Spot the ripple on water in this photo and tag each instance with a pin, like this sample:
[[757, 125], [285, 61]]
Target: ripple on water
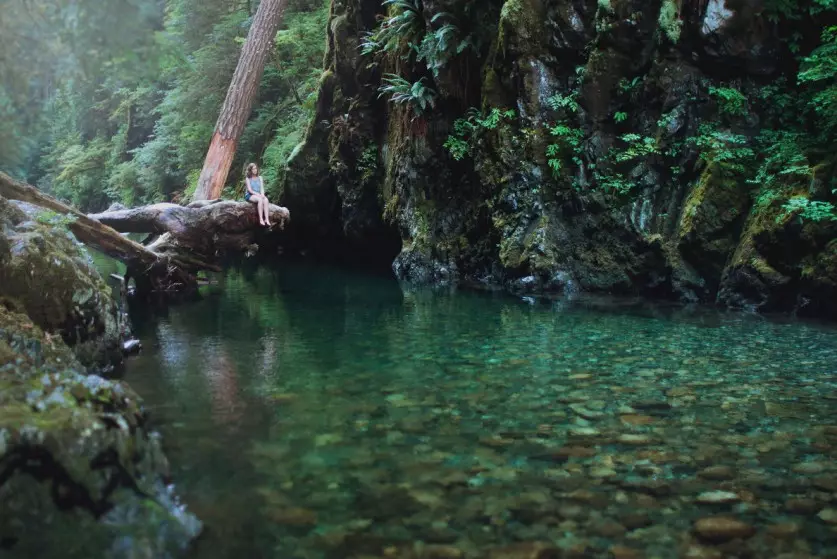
[[371, 422]]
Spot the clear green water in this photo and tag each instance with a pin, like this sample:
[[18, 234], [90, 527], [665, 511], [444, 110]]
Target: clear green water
[[314, 413]]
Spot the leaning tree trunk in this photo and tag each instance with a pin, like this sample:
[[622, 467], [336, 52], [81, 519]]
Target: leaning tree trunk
[[239, 101]]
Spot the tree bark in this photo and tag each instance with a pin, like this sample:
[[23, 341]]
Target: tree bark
[[190, 238], [239, 101], [164, 272]]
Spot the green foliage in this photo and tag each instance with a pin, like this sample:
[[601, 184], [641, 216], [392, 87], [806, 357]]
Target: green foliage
[[403, 27], [731, 152], [809, 210], [439, 46], [566, 145], [730, 101], [620, 116], [417, 96], [367, 164], [467, 131], [560, 102], [783, 160], [819, 70], [669, 22], [95, 114], [636, 147], [49, 217]]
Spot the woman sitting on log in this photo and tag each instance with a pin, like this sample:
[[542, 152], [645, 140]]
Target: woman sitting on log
[[255, 194]]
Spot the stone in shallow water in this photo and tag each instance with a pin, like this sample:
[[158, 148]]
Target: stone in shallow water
[[637, 420], [802, 506], [602, 473], [586, 413], [579, 431], [293, 517], [829, 516], [784, 530], [442, 552], [526, 550], [826, 483], [623, 552], [633, 439], [717, 498], [717, 473], [809, 468], [722, 529]]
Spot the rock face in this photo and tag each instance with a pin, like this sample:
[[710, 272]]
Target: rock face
[[596, 156], [44, 274], [77, 463]]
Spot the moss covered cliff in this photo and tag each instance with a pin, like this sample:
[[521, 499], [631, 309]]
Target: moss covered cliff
[[613, 146]]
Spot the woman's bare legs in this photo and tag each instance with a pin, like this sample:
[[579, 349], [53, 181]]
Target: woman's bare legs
[[257, 199], [266, 211]]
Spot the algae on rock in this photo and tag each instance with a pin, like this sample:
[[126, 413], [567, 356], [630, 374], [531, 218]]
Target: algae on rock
[[45, 274], [77, 461]]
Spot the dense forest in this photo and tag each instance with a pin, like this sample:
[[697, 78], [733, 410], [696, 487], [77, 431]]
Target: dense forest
[[117, 103]]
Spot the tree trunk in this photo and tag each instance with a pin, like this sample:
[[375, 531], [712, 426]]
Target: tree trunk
[[191, 238], [239, 101]]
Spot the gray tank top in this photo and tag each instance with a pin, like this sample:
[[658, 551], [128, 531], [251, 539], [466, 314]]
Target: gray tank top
[[256, 184]]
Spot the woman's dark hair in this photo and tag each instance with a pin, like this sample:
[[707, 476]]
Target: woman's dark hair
[[250, 168]]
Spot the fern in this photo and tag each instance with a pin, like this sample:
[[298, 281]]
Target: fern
[[416, 95], [466, 131]]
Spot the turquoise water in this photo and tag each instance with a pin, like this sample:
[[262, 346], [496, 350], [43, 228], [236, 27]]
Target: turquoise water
[[314, 413]]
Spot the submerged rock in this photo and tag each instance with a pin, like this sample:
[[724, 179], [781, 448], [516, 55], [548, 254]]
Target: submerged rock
[[78, 461]]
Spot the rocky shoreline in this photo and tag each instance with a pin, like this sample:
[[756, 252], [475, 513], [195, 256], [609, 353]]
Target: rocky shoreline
[[642, 195], [78, 460]]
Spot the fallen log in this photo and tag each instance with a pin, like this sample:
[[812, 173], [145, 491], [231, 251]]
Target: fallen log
[[185, 239], [152, 271], [208, 229]]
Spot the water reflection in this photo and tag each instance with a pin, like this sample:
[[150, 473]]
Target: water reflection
[[311, 413]]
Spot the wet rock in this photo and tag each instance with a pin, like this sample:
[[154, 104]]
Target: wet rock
[[657, 487], [717, 473], [586, 413], [827, 483], [635, 520], [583, 431], [784, 530], [69, 298], [809, 468], [83, 462], [652, 406], [717, 498], [637, 420], [722, 529], [608, 529], [802, 506], [635, 440], [294, 516], [624, 552], [131, 347], [442, 552], [829, 516], [527, 550]]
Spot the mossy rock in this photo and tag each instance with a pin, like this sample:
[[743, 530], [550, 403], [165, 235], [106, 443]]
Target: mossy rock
[[44, 271], [711, 220], [79, 464]]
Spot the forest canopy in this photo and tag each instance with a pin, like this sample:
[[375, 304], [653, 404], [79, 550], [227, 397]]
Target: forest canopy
[[116, 101]]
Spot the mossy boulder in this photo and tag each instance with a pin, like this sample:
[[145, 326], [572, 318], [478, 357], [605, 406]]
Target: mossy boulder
[[82, 476], [783, 263], [45, 274]]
